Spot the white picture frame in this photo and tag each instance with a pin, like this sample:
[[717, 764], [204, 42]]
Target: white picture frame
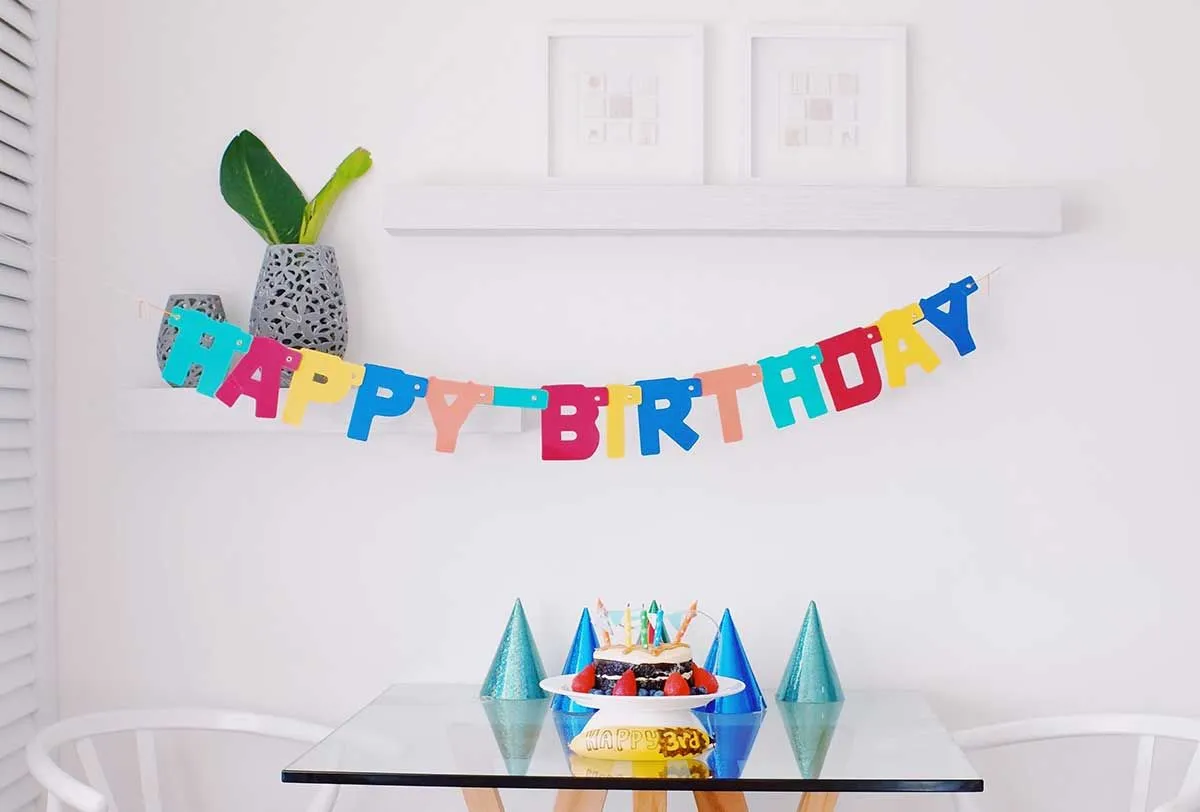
[[826, 105], [625, 103]]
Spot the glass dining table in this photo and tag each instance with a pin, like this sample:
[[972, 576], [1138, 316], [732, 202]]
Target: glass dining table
[[439, 735]]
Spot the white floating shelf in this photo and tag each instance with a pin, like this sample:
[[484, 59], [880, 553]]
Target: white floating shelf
[[162, 409], [722, 209]]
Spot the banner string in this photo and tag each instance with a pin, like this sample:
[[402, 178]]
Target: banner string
[[984, 281]]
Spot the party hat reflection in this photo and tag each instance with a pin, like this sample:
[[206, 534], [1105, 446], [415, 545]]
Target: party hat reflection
[[734, 734], [516, 725], [516, 669], [810, 675], [727, 658], [579, 657], [810, 727], [570, 725]]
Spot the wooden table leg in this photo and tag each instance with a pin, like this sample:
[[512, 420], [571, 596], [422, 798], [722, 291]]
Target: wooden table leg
[[721, 802], [818, 802], [645, 800], [482, 800], [580, 800]]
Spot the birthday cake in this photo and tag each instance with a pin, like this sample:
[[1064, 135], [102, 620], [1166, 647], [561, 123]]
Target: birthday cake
[[647, 663]]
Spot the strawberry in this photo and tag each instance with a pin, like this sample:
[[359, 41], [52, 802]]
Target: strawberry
[[585, 680], [676, 685], [704, 679], [626, 685]]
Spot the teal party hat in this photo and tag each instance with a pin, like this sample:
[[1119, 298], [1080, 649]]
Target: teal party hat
[[810, 675], [727, 658], [579, 657], [516, 669], [516, 725], [810, 727]]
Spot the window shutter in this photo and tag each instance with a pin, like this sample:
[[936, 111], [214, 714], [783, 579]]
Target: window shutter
[[26, 698]]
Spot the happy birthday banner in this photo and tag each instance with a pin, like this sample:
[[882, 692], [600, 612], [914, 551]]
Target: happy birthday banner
[[570, 412]]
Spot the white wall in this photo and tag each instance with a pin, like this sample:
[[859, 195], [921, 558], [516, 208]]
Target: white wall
[[1012, 535]]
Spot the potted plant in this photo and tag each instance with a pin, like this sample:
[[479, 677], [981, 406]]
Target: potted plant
[[299, 299]]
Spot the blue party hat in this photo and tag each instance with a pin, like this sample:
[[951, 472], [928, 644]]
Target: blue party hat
[[810, 675], [734, 734], [727, 658], [810, 727], [579, 657], [516, 669], [516, 724], [570, 725]]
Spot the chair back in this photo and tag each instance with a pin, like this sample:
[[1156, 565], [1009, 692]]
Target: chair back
[[1147, 729], [96, 795]]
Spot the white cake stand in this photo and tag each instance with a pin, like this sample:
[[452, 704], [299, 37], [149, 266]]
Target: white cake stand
[[641, 711]]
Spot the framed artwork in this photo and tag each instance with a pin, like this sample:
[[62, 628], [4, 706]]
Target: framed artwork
[[827, 105], [626, 103]]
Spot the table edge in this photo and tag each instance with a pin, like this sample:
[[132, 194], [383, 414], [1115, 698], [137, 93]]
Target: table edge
[[944, 785]]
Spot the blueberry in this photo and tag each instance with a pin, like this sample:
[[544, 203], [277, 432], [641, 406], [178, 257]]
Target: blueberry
[[702, 690], [695, 691], [659, 693], [643, 692], [594, 691]]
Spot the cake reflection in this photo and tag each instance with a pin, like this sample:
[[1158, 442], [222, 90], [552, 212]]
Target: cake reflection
[[583, 767]]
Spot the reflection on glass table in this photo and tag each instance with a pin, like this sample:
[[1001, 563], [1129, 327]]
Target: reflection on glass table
[[446, 736]]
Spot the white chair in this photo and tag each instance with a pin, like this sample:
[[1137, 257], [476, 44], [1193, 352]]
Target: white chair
[[62, 788], [1147, 729]]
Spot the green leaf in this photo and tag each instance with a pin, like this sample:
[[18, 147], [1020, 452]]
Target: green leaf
[[260, 190], [352, 168]]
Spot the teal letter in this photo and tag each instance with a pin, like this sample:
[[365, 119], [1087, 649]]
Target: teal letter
[[802, 362], [187, 351]]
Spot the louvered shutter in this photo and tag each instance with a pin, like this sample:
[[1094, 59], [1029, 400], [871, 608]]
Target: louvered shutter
[[23, 617]]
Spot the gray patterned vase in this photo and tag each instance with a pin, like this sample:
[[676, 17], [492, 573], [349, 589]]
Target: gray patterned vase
[[299, 300], [207, 303]]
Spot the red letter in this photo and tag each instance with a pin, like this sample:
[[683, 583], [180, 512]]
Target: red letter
[[856, 342], [585, 401], [269, 359]]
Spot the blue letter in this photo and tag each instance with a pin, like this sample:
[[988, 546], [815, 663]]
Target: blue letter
[[668, 420], [369, 404], [952, 321]]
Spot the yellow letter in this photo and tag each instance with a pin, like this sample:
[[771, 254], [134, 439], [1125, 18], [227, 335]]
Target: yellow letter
[[619, 396], [903, 345], [336, 379]]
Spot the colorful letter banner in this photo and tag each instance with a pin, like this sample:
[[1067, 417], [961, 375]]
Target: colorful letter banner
[[234, 364]]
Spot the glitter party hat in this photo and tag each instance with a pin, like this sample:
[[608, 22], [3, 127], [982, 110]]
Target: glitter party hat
[[810, 727], [810, 675], [727, 658], [579, 657], [516, 724], [516, 669]]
